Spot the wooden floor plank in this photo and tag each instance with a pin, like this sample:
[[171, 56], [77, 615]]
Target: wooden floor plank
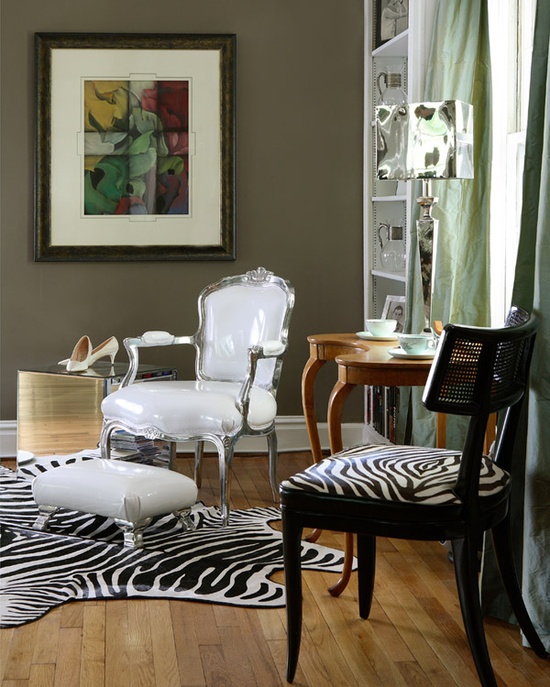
[[6, 636], [165, 659], [444, 636], [264, 670], [188, 619], [117, 665], [42, 675], [72, 615], [21, 651], [67, 670], [214, 667], [46, 644], [139, 647], [92, 670], [348, 630]]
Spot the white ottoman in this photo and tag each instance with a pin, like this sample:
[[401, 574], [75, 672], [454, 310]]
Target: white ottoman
[[132, 494]]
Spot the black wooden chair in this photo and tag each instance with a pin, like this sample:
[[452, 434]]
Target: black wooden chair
[[419, 493]]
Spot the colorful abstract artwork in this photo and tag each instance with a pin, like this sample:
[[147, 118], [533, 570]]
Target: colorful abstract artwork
[[135, 147], [136, 159]]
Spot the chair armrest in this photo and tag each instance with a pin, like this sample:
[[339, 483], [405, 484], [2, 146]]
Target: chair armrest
[[264, 349], [148, 340], [271, 349], [157, 338]]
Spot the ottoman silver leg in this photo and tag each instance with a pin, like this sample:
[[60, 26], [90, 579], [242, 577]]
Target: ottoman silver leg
[[45, 515], [184, 516], [133, 532]]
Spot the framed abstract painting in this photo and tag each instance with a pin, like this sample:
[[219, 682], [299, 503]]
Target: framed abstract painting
[[135, 147]]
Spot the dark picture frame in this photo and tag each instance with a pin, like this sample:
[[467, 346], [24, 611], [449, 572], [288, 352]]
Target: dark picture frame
[[93, 205], [391, 18]]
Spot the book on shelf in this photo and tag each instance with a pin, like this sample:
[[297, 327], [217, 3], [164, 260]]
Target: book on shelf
[[382, 408]]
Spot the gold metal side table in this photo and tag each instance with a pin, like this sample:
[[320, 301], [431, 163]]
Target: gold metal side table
[[59, 412]]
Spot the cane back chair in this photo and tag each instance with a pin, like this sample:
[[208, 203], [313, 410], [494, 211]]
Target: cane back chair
[[420, 493]]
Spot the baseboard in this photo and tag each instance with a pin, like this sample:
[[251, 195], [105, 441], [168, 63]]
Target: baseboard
[[8, 438], [291, 434]]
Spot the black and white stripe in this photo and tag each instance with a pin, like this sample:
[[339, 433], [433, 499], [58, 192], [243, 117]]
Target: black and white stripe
[[82, 557], [408, 474]]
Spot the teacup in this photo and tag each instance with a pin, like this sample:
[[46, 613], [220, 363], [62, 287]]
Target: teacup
[[416, 344], [381, 327]]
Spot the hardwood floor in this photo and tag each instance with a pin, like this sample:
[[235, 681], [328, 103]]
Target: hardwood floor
[[414, 636]]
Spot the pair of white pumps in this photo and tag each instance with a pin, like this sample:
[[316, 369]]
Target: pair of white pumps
[[83, 355]]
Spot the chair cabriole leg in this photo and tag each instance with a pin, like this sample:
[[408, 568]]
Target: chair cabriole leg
[[197, 471], [225, 454], [173, 454], [273, 456]]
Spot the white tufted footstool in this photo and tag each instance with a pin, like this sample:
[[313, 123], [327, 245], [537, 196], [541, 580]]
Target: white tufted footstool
[[132, 494]]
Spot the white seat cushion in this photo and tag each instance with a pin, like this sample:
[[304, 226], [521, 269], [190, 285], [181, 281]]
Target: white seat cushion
[[407, 474], [115, 489], [188, 408]]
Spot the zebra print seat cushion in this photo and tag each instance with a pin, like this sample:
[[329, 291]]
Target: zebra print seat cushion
[[406, 474]]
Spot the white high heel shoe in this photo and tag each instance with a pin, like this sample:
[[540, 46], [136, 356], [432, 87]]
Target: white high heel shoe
[[80, 357], [109, 347]]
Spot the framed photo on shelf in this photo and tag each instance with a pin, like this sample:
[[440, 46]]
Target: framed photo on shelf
[[391, 17], [135, 147], [394, 309]]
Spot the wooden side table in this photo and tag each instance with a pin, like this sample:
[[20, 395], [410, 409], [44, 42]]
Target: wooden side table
[[323, 348], [361, 359], [376, 367]]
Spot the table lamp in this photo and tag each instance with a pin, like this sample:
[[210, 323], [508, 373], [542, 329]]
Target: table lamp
[[430, 140]]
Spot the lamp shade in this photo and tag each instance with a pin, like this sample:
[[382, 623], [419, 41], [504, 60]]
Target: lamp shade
[[430, 140]]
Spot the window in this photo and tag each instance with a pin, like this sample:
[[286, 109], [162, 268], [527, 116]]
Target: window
[[511, 30]]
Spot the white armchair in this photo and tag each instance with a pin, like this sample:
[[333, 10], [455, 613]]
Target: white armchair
[[240, 343]]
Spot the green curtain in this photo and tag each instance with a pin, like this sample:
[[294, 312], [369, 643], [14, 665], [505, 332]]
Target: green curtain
[[531, 471], [459, 69]]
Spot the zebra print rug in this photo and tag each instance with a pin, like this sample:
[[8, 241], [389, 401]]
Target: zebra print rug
[[83, 558]]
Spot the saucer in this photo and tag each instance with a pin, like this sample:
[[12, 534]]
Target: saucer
[[368, 335], [398, 352]]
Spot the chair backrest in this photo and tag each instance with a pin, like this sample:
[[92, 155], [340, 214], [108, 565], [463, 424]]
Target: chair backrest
[[236, 313], [478, 371]]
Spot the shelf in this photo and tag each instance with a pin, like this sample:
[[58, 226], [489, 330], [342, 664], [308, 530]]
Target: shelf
[[389, 199], [396, 276], [396, 47]]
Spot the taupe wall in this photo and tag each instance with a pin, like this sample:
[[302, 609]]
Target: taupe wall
[[299, 183]]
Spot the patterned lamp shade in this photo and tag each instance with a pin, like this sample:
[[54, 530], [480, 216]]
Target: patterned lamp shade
[[430, 140]]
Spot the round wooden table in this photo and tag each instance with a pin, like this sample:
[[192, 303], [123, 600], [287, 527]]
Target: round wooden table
[[359, 361]]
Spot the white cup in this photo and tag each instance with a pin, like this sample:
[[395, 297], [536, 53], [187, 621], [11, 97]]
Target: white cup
[[381, 327], [416, 344]]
